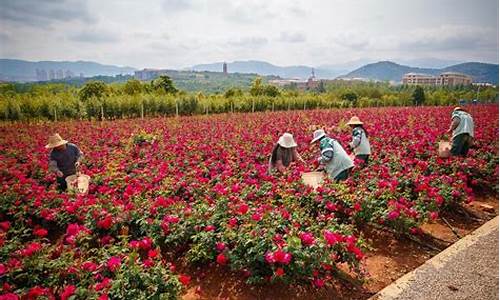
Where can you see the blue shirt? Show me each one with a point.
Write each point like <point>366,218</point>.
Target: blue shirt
<point>66,159</point>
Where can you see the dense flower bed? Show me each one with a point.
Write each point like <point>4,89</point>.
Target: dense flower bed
<point>197,188</point>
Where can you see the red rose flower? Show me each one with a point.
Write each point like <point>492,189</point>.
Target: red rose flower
<point>222,259</point>
<point>114,263</point>
<point>279,272</point>
<point>185,279</point>
<point>40,232</point>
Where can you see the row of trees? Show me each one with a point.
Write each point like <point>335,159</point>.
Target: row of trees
<point>97,100</point>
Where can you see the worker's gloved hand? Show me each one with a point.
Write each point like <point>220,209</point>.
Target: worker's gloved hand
<point>77,164</point>
<point>59,174</point>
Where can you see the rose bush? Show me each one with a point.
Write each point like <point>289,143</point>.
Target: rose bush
<point>197,189</point>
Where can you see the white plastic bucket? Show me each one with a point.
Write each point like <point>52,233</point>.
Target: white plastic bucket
<point>444,149</point>
<point>313,179</point>
<point>78,183</point>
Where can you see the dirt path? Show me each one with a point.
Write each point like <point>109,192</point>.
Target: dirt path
<point>389,259</point>
<point>466,270</point>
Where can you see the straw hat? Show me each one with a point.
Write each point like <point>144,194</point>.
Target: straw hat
<point>55,141</point>
<point>317,135</point>
<point>459,108</point>
<point>287,141</point>
<point>354,121</point>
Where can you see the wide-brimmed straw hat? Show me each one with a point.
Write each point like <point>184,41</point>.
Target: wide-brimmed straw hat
<point>317,135</point>
<point>287,141</point>
<point>55,141</point>
<point>355,121</point>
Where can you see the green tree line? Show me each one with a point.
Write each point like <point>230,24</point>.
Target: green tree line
<point>99,100</point>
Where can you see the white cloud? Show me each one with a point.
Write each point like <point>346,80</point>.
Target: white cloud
<point>180,33</point>
<point>292,37</point>
<point>95,36</point>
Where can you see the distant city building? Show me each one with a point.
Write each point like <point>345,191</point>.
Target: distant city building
<point>312,82</point>
<point>443,79</point>
<point>352,80</point>
<point>68,74</point>
<point>59,74</point>
<point>41,75</point>
<point>483,84</point>
<point>286,82</point>
<point>453,78</point>
<point>309,84</point>
<point>418,79</point>
<point>81,75</point>
<point>224,68</point>
<point>149,74</point>
<point>52,75</point>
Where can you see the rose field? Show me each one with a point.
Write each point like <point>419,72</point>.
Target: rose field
<point>185,207</point>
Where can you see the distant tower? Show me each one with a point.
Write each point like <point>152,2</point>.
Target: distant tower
<point>224,68</point>
<point>312,73</point>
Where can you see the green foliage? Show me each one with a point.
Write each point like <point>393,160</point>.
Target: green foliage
<point>349,96</point>
<point>233,92</point>
<point>271,91</point>
<point>133,87</point>
<point>93,89</point>
<point>143,138</point>
<point>257,89</point>
<point>260,89</point>
<point>134,99</point>
<point>418,96</point>
<point>165,84</point>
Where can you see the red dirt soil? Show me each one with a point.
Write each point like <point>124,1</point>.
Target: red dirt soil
<point>388,259</point>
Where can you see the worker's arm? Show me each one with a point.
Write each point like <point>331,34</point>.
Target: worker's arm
<point>356,139</point>
<point>79,157</point>
<point>53,168</point>
<point>454,124</point>
<point>296,156</point>
<point>279,165</point>
<point>326,155</point>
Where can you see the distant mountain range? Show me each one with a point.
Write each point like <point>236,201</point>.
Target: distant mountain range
<point>390,71</point>
<point>22,70</point>
<point>381,71</point>
<point>265,68</point>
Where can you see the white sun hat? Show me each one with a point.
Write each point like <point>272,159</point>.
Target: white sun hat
<point>317,135</point>
<point>55,141</point>
<point>287,141</point>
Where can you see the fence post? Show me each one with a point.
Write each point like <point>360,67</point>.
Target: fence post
<point>253,105</point>
<point>272,107</point>
<point>304,105</point>
<point>55,114</point>
<point>142,110</point>
<point>102,112</point>
<point>176,108</point>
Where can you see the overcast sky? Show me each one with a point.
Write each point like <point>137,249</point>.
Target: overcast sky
<point>181,33</point>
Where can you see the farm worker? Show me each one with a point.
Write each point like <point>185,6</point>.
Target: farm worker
<point>336,162</point>
<point>360,143</point>
<point>64,159</point>
<point>284,153</point>
<point>462,129</point>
